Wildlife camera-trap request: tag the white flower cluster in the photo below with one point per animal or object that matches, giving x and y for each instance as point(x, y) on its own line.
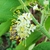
point(46, 2)
point(35, 7)
point(24, 26)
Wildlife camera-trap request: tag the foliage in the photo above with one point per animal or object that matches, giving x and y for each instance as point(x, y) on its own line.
point(11, 9)
point(43, 46)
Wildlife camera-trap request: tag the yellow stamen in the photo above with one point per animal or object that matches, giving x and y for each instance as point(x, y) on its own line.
point(22, 29)
point(17, 37)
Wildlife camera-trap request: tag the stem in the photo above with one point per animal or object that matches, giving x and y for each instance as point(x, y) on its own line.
point(44, 16)
point(42, 28)
point(27, 10)
point(42, 19)
point(35, 21)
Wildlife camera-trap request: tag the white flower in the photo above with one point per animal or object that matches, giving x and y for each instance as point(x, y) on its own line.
point(20, 18)
point(46, 2)
point(35, 7)
point(32, 28)
point(24, 26)
point(27, 16)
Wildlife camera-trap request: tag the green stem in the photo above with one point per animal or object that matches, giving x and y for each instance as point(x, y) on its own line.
point(27, 10)
point(42, 28)
point(42, 19)
point(35, 21)
point(44, 15)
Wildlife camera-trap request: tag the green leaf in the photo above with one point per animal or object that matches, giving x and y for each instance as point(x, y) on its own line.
point(32, 39)
point(4, 27)
point(6, 9)
point(42, 46)
point(47, 23)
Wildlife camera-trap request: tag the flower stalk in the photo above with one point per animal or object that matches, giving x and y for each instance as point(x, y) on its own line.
point(27, 10)
point(35, 21)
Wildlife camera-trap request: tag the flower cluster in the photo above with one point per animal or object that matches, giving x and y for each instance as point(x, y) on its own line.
point(46, 2)
point(23, 26)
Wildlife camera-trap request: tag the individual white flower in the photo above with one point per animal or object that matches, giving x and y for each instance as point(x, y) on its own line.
point(46, 2)
point(27, 16)
point(24, 14)
point(35, 7)
point(20, 18)
point(32, 28)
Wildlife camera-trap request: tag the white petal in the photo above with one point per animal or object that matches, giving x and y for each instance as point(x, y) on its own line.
point(35, 7)
point(34, 27)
